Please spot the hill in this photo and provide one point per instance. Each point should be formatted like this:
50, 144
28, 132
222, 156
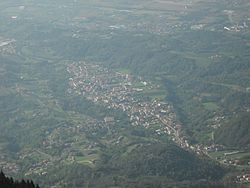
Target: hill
150, 164
235, 133
203, 66
156, 159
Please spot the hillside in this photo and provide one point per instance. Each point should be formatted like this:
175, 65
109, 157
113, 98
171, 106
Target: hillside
156, 159
235, 133
204, 67
150, 164
125, 93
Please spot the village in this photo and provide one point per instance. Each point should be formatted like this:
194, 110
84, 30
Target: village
7, 46
138, 98
119, 90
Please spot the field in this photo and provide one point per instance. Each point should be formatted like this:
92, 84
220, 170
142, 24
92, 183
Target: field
239, 159
211, 106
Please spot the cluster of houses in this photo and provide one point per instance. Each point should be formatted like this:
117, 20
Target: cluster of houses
245, 178
236, 28
39, 168
7, 46
120, 91
10, 167
54, 140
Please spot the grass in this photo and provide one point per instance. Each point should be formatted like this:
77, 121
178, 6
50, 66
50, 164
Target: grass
138, 85
87, 160
3, 145
221, 154
212, 106
130, 149
247, 43
124, 70
201, 60
156, 94
230, 86
240, 155
217, 154
152, 94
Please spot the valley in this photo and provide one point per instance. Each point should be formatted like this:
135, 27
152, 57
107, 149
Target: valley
125, 93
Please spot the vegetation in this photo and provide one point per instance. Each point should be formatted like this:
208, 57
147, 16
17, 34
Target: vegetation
7, 182
58, 138
236, 132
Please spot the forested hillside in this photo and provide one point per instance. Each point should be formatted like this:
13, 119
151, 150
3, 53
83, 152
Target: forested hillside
236, 132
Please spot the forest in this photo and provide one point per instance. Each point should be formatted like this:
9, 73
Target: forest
6, 182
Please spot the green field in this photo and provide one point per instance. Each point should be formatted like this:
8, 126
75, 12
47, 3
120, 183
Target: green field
89, 160
233, 156
211, 106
